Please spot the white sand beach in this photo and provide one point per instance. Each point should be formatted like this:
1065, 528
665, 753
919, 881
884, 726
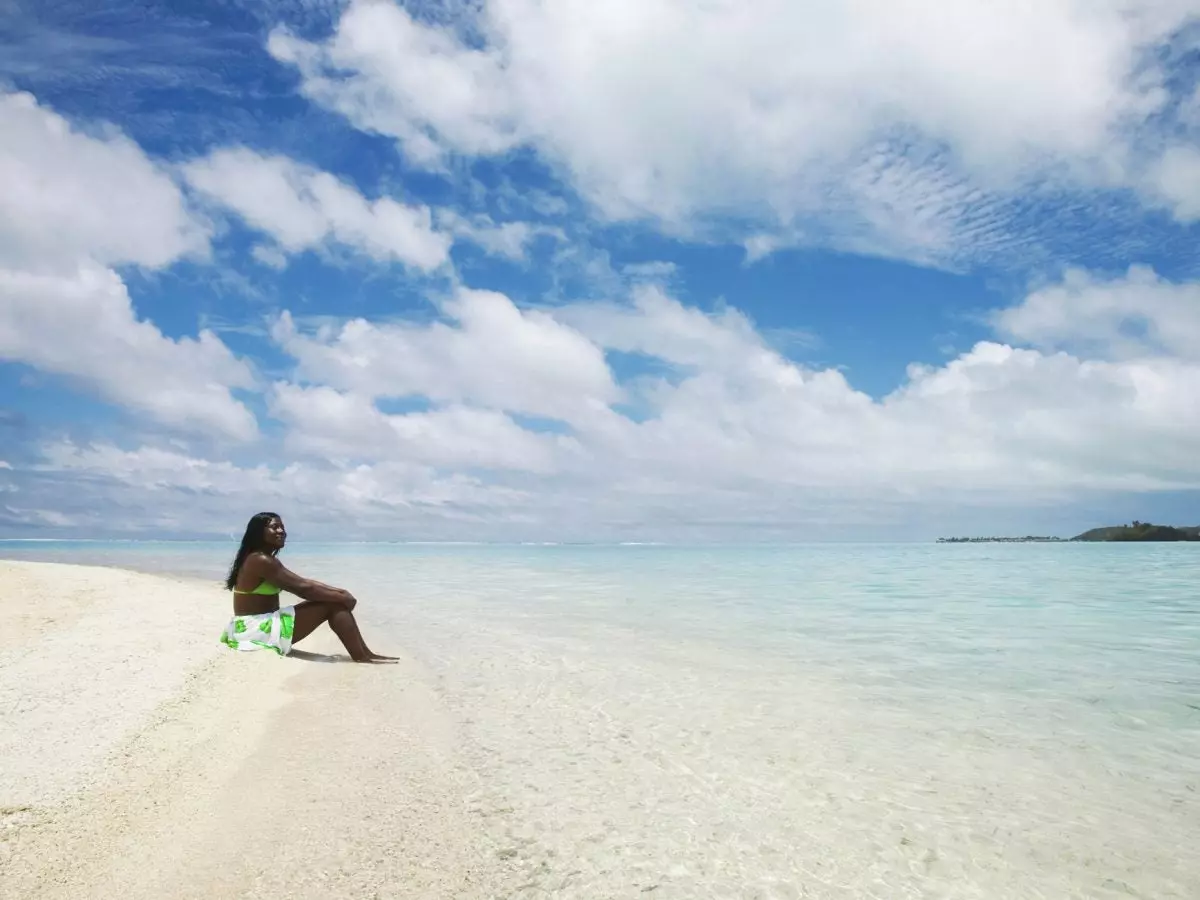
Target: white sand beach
140, 758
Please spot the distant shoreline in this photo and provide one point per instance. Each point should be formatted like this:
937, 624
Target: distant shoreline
1004, 540
1135, 532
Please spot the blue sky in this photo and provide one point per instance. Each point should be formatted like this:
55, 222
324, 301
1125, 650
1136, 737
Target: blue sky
598, 272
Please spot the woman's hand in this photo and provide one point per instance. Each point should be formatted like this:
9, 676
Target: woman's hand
336, 594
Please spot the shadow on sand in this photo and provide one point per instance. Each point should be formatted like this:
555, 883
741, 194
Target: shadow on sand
319, 657
333, 658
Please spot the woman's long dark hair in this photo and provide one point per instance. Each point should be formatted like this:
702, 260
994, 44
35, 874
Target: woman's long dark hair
252, 541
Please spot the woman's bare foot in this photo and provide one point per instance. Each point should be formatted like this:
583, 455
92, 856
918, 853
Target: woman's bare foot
374, 658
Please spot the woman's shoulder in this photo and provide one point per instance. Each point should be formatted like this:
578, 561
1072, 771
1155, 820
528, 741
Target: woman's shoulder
257, 561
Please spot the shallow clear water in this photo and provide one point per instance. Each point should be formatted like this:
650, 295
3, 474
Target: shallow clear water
808, 721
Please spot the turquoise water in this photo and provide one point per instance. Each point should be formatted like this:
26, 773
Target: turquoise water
820, 720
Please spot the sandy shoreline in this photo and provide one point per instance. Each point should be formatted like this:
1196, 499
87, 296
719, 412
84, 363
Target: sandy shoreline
140, 758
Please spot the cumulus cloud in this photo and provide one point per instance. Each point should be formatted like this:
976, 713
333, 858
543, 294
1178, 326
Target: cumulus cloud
997, 418
332, 424
731, 430
73, 205
489, 353
170, 491
151, 467
509, 240
656, 325
1082, 377
436, 88
740, 439
995, 421
903, 127
1189, 111
68, 194
1026, 421
303, 208
1174, 180
83, 325
1140, 315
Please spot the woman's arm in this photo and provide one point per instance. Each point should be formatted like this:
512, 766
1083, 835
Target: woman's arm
268, 568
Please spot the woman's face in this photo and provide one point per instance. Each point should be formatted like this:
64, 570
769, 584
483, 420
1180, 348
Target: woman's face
275, 534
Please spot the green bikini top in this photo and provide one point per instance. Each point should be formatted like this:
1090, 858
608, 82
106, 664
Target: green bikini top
264, 587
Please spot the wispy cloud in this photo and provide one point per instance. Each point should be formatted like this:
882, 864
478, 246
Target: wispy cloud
874, 132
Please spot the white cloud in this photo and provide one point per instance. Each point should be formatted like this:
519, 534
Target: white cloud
174, 492
1189, 111
509, 240
1139, 316
270, 256
83, 325
303, 208
491, 355
1025, 421
433, 83
67, 195
1097, 389
72, 204
651, 271
655, 324
996, 427
1175, 180
331, 424
37, 517
901, 127
150, 467
734, 431
760, 246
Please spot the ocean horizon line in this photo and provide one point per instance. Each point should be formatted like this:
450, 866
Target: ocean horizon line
630, 545
531, 545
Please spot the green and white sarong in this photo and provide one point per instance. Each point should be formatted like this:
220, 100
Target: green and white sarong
264, 631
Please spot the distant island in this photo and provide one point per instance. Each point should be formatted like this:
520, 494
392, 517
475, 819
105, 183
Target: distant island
1140, 531
1135, 531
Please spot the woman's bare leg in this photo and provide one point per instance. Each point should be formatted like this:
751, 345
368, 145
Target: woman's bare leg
311, 613
371, 653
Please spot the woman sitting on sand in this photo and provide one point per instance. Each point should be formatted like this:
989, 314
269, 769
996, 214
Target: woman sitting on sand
257, 577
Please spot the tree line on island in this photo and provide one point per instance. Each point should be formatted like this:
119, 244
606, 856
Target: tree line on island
1135, 531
